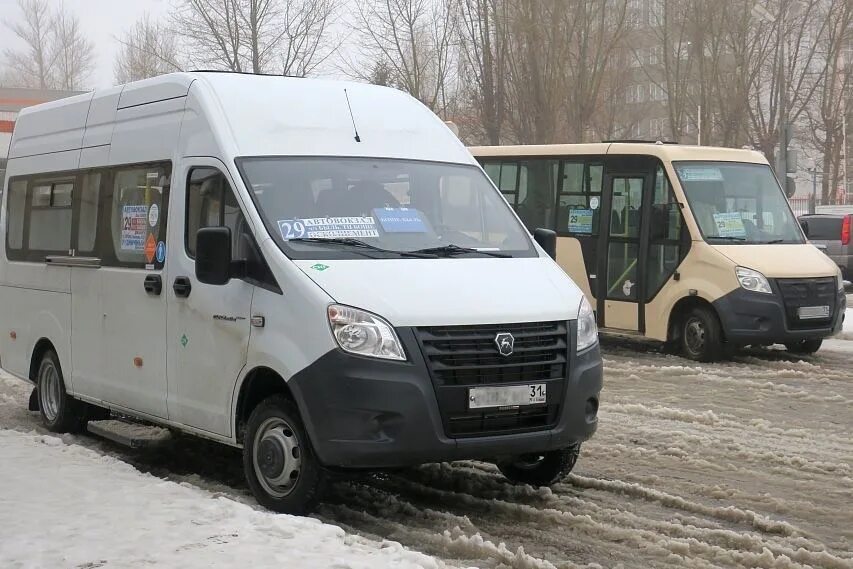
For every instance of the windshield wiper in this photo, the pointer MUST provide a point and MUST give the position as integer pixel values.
(349, 241)
(450, 250)
(728, 238)
(772, 241)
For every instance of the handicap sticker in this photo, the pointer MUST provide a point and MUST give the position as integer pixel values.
(400, 220)
(580, 221)
(161, 252)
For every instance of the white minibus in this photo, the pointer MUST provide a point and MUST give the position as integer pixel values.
(315, 271)
(693, 246)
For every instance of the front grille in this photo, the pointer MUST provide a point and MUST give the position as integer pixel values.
(797, 293)
(468, 355)
(460, 357)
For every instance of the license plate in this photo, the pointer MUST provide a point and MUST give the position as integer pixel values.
(808, 312)
(510, 396)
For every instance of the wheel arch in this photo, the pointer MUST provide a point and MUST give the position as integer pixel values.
(258, 384)
(42, 346)
(683, 306)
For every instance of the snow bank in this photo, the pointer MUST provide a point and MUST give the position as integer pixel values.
(67, 506)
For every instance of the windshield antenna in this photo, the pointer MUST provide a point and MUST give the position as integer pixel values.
(352, 117)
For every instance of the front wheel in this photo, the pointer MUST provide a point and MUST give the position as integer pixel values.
(542, 469)
(278, 461)
(702, 335)
(804, 347)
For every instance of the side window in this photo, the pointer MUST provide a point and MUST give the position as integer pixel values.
(211, 203)
(138, 215)
(537, 193)
(50, 216)
(579, 208)
(669, 239)
(15, 211)
(87, 231)
(509, 182)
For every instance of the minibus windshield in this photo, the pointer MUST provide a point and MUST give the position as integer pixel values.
(319, 208)
(738, 203)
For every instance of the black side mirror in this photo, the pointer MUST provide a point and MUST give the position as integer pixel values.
(547, 239)
(805, 225)
(213, 255)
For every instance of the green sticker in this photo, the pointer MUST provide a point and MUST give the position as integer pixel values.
(184, 340)
(320, 267)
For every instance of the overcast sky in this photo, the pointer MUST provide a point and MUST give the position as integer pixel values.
(102, 20)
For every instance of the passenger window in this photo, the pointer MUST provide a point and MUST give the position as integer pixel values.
(669, 237)
(50, 216)
(537, 193)
(509, 182)
(15, 210)
(138, 220)
(89, 199)
(211, 203)
(579, 207)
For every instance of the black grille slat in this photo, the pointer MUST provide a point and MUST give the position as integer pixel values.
(460, 357)
(797, 293)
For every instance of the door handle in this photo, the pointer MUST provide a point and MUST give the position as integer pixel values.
(182, 287)
(153, 285)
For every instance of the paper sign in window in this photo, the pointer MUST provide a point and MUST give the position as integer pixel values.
(134, 227)
(580, 220)
(328, 228)
(700, 174)
(729, 224)
(400, 220)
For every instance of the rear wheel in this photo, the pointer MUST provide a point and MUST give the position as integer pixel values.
(702, 335)
(60, 412)
(541, 469)
(278, 461)
(804, 347)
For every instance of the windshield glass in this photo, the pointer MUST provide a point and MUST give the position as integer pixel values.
(737, 203)
(393, 205)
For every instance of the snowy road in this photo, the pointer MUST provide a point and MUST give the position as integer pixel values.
(742, 464)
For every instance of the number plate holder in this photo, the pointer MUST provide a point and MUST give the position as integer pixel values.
(507, 396)
(813, 312)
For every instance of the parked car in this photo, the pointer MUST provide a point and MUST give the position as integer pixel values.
(832, 230)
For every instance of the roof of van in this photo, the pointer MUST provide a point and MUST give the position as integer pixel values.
(255, 115)
(671, 152)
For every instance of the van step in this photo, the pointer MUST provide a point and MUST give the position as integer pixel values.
(133, 435)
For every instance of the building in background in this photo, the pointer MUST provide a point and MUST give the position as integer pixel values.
(11, 103)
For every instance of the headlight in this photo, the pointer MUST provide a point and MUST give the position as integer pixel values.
(840, 281)
(365, 334)
(587, 330)
(753, 280)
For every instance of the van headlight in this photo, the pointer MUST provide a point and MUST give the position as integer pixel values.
(587, 329)
(752, 280)
(840, 281)
(360, 332)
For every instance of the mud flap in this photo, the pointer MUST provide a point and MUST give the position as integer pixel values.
(34, 400)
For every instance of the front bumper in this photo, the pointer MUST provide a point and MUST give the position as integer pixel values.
(368, 413)
(757, 318)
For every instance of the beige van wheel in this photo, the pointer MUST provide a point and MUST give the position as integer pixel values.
(701, 335)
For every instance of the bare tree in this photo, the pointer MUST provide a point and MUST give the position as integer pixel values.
(56, 54)
(148, 49)
(414, 39)
(288, 37)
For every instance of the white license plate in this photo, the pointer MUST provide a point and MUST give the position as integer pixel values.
(807, 312)
(510, 396)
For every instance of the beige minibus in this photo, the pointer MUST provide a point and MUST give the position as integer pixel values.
(693, 246)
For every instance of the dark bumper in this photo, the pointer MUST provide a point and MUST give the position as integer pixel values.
(757, 318)
(366, 413)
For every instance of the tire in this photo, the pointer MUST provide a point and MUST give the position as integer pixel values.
(804, 347)
(701, 335)
(279, 464)
(541, 470)
(59, 412)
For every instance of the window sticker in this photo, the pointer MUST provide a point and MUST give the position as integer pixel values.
(153, 215)
(328, 227)
(161, 252)
(594, 202)
(729, 224)
(700, 174)
(134, 227)
(150, 248)
(400, 220)
(580, 221)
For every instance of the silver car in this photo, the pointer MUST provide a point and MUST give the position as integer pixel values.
(832, 231)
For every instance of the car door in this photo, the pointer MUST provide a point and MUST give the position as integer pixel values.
(208, 325)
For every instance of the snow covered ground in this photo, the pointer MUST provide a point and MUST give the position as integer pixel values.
(748, 463)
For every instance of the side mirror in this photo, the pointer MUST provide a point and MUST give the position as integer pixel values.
(547, 239)
(805, 225)
(213, 255)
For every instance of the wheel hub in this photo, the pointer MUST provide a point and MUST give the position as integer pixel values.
(695, 333)
(277, 457)
(49, 391)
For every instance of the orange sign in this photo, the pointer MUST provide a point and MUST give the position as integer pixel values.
(150, 247)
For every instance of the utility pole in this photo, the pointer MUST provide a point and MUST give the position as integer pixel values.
(782, 159)
(844, 154)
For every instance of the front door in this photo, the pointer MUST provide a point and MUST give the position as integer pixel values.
(623, 236)
(208, 325)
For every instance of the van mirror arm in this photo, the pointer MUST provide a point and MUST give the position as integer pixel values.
(239, 269)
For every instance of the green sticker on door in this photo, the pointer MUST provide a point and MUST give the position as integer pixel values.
(184, 340)
(320, 267)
